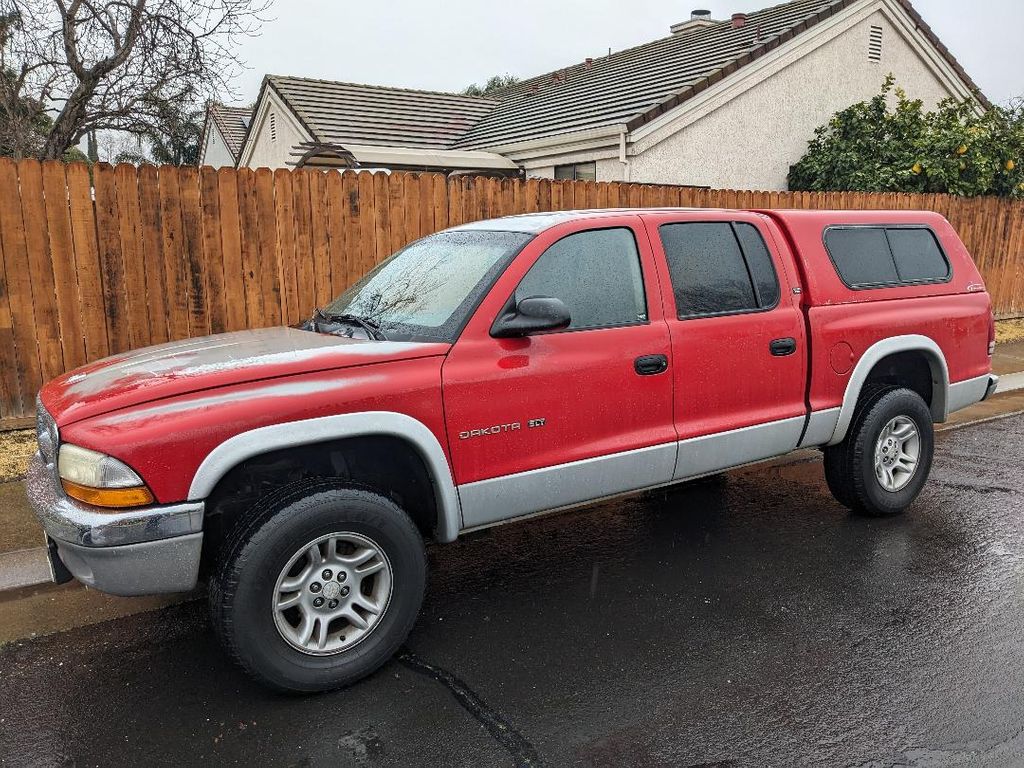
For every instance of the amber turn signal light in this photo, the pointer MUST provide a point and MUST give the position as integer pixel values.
(118, 498)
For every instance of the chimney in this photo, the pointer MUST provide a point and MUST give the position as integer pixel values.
(698, 18)
(739, 20)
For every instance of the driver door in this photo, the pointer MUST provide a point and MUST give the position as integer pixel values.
(561, 417)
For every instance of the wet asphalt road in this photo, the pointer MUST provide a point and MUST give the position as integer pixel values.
(743, 621)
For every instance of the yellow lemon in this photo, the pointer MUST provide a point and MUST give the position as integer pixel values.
(962, 149)
(917, 168)
(1010, 165)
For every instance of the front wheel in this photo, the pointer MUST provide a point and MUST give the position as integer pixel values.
(882, 465)
(320, 588)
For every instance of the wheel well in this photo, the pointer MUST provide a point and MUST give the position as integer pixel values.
(911, 369)
(385, 464)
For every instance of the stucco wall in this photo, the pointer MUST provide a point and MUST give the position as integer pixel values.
(215, 151)
(268, 153)
(750, 142)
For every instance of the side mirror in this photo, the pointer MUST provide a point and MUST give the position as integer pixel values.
(532, 315)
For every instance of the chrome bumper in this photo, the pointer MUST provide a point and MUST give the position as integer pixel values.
(141, 551)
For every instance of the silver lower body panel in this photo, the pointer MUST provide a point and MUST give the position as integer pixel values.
(147, 568)
(963, 394)
(565, 485)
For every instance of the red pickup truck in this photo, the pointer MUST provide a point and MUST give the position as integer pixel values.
(490, 372)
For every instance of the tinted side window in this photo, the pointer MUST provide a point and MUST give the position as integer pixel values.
(709, 275)
(762, 271)
(861, 255)
(917, 255)
(596, 273)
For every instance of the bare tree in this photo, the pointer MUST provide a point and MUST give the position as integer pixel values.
(110, 64)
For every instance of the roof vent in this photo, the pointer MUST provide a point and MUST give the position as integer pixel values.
(739, 20)
(698, 18)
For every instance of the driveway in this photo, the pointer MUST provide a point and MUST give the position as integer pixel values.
(743, 621)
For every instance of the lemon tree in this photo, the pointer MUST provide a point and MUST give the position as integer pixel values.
(890, 143)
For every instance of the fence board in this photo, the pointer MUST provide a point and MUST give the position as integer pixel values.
(231, 250)
(305, 263)
(319, 207)
(65, 281)
(341, 239)
(37, 246)
(175, 278)
(212, 249)
(152, 233)
(284, 211)
(15, 303)
(108, 231)
(96, 261)
(86, 250)
(134, 255)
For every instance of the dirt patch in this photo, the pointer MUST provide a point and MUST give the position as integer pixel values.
(1009, 331)
(16, 448)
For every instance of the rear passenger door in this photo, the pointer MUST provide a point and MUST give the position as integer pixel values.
(738, 339)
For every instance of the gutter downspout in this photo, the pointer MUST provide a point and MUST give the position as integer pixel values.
(622, 155)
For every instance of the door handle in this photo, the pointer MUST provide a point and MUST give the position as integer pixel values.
(650, 365)
(783, 347)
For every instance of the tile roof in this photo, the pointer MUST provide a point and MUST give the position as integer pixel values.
(232, 122)
(634, 86)
(349, 113)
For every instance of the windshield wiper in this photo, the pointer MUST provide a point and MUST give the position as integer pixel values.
(371, 328)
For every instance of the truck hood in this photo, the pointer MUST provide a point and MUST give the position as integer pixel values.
(182, 367)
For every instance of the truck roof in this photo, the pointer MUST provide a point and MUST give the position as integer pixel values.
(538, 222)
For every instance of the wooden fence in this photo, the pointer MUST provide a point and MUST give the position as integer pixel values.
(96, 262)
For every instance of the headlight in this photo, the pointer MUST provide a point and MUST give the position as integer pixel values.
(98, 479)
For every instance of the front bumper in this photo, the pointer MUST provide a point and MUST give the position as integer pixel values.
(141, 551)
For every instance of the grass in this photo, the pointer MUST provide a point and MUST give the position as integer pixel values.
(1009, 331)
(16, 448)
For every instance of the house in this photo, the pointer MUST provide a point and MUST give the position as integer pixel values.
(223, 132)
(715, 103)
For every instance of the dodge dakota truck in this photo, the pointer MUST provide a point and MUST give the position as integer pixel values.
(490, 372)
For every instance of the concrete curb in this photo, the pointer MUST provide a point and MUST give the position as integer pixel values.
(23, 568)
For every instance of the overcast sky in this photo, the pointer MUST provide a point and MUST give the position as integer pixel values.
(447, 45)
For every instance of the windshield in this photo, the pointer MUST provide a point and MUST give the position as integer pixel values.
(427, 290)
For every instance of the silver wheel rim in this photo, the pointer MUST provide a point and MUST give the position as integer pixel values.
(897, 453)
(332, 593)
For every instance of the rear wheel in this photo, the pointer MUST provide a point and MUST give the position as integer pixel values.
(884, 462)
(319, 588)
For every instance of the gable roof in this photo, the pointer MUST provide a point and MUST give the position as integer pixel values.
(634, 86)
(232, 122)
(349, 113)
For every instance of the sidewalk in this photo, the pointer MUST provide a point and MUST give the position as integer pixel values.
(31, 605)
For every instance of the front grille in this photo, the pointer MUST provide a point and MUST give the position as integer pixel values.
(46, 434)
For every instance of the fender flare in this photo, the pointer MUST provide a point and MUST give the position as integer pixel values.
(882, 349)
(245, 445)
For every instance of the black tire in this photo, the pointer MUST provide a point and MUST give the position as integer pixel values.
(243, 585)
(850, 465)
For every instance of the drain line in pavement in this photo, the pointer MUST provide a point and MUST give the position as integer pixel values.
(523, 752)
